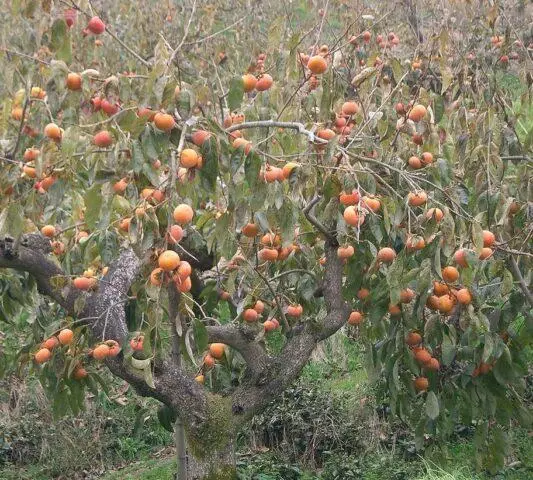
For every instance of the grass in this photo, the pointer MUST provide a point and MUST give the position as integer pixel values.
(162, 469)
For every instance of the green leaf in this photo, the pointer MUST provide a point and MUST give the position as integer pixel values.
(60, 41)
(438, 106)
(209, 171)
(12, 220)
(200, 335)
(93, 203)
(167, 417)
(432, 406)
(108, 246)
(252, 166)
(235, 94)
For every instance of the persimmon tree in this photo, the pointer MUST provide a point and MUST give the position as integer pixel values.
(198, 225)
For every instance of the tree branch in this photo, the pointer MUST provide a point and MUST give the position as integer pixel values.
(314, 221)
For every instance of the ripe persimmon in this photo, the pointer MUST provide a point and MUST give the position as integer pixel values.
(413, 338)
(417, 113)
(317, 64)
(353, 217)
(446, 303)
(164, 121)
(43, 355)
(168, 260)
(421, 384)
(422, 356)
(188, 158)
(48, 231)
(386, 255)
(183, 214)
(486, 252)
(345, 252)
(259, 307)
(250, 230)
(414, 162)
(348, 199)
(50, 343)
(355, 318)
(156, 277)
(101, 352)
(394, 309)
(199, 137)
(249, 82)
(65, 336)
(371, 203)
(184, 269)
(450, 274)
(426, 158)
(120, 186)
(216, 350)
(268, 254)
(464, 296)
(96, 25)
(436, 213)
(295, 311)
(250, 315)
(52, 131)
(349, 108)
(103, 139)
(416, 199)
(209, 361)
(74, 81)
(83, 283)
(79, 373)
(269, 325)
(488, 238)
(264, 82)
(406, 295)
(363, 294)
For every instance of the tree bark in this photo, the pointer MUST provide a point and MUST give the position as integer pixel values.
(217, 464)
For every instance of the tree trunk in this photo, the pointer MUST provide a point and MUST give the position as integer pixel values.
(181, 450)
(214, 464)
(211, 444)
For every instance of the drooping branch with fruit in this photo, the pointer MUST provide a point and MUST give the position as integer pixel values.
(199, 231)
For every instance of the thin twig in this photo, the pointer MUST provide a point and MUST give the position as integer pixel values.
(185, 33)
